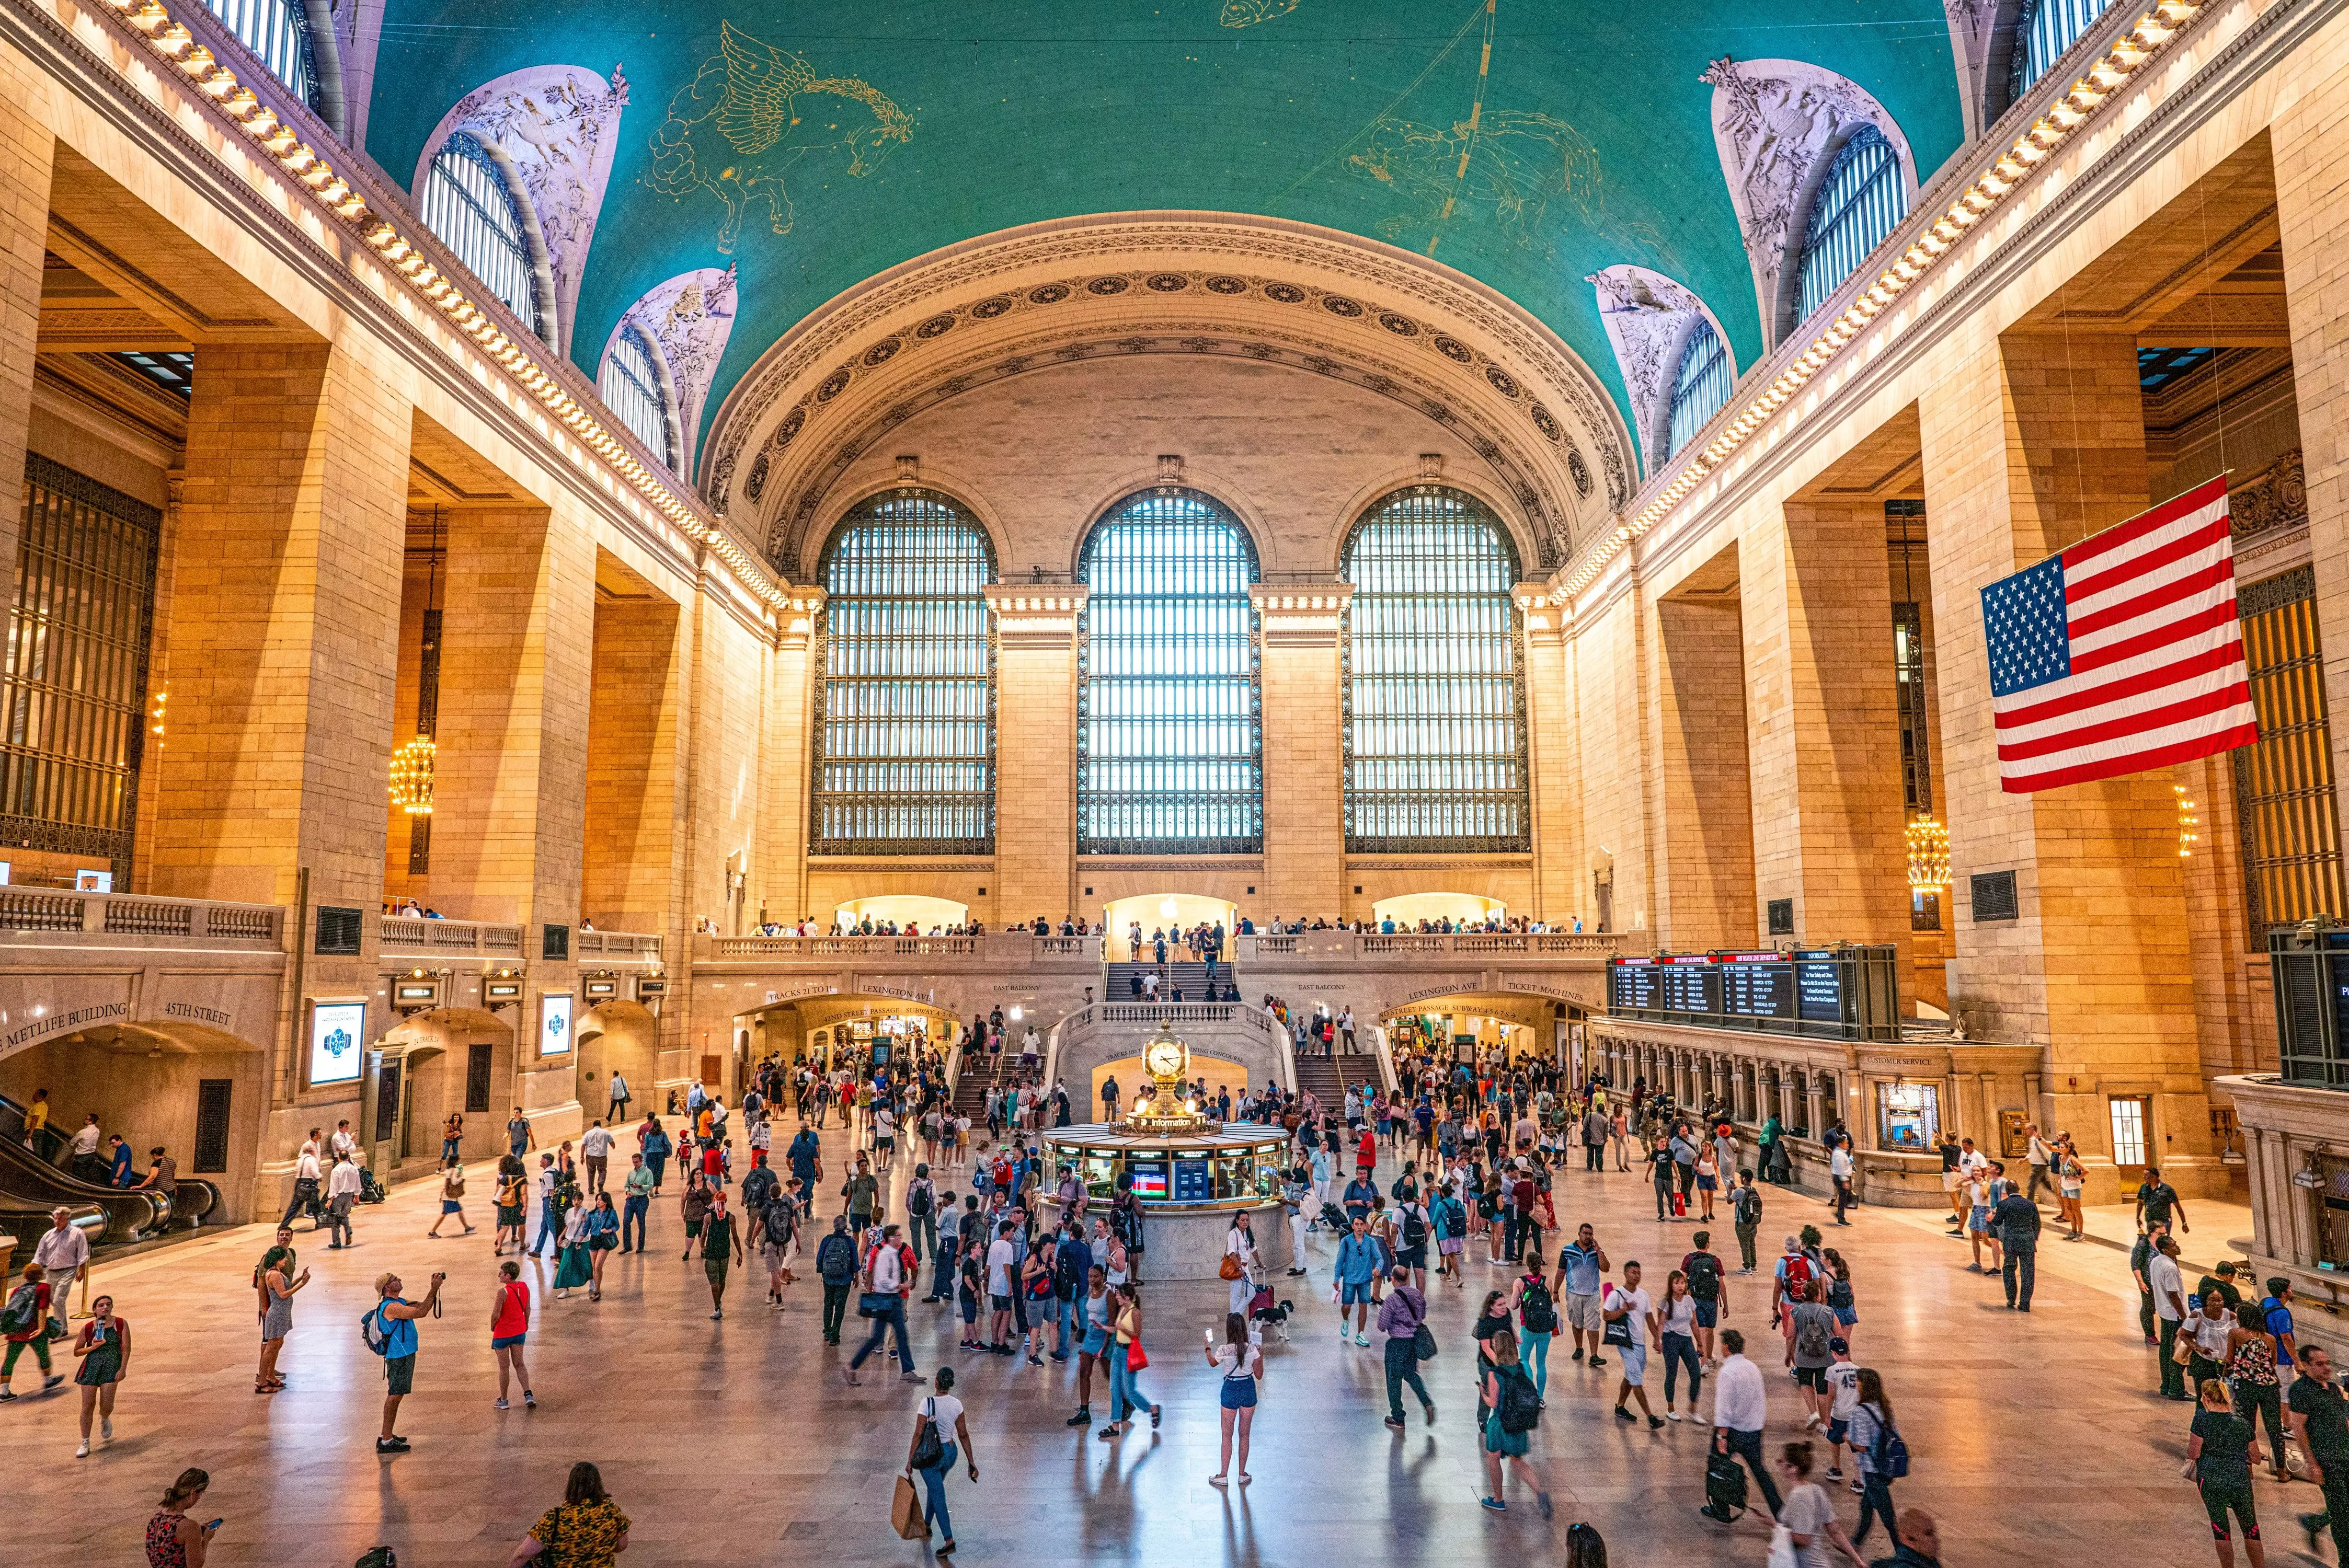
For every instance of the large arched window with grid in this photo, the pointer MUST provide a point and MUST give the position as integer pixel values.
(1169, 737)
(1699, 386)
(1434, 680)
(905, 733)
(467, 204)
(633, 386)
(2043, 29)
(1861, 200)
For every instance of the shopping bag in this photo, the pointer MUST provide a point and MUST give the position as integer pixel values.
(905, 1512)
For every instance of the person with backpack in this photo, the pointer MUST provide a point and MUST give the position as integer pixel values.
(1708, 1289)
(1745, 1216)
(1412, 1228)
(835, 1263)
(1878, 1455)
(1811, 1345)
(778, 1225)
(1516, 1411)
(1791, 1274)
(922, 1213)
(25, 1322)
(390, 1331)
(1072, 1263)
(1536, 1309)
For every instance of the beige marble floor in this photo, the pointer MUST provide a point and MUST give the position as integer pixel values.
(2035, 1438)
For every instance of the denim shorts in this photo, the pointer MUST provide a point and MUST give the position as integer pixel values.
(1352, 1292)
(1706, 1315)
(1239, 1394)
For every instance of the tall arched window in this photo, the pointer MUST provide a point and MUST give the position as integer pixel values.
(467, 204)
(1170, 736)
(1701, 386)
(633, 387)
(1861, 202)
(1434, 681)
(2042, 31)
(904, 734)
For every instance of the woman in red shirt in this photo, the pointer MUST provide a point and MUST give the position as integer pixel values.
(509, 1326)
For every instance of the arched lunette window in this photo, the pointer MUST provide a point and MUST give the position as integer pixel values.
(1699, 386)
(278, 31)
(467, 204)
(1434, 680)
(633, 386)
(1861, 200)
(2043, 29)
(904, 732)
(1170, 736)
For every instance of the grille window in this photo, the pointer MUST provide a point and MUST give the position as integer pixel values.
(1169, 737)
(631, 385)
(276, 30)
(1701, 387)
(905, 736)
(73, 693)
(2044, 31)
(1861, 202)
(466, 203)
(2283, 782)
(1434, 683)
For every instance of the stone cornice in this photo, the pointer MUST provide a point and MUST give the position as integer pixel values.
(2123, 113)
(158, 75)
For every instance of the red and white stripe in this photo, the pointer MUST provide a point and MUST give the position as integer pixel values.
(2158, 672)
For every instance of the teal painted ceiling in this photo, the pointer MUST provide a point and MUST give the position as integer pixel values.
(881, 131)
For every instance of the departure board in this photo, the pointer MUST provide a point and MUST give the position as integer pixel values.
(1846, 992)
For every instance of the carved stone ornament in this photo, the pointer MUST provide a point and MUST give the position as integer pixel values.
(1772, 121)
(559, 125)
(1648, 317)
(688, 319)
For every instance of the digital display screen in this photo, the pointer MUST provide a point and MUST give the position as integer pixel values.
(337, 1034)
(1633, 986)
(1192, 1182)
(1690, 988)
(1149, 1178)
(1818, 986)
(1754, 985)
(554, 1024)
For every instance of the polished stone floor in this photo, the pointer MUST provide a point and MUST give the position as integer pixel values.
(2034, 1439)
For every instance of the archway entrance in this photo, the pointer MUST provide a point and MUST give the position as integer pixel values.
(912, 913)
(1407, 910)
(450, 1061)
(618, 1039)
(1166, 911)
(1473, 1026)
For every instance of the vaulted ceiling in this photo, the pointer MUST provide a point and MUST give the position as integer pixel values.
(1527, 143)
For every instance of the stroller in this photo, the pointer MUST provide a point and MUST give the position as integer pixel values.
(1334, 1220)
(370, 1190)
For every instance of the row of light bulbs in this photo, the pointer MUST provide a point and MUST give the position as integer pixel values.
(1975, 202)
(171, 38)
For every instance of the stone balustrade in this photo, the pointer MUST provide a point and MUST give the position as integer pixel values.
(61, 917)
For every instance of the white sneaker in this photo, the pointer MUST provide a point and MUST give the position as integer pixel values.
(1344, 1334)
(105, 1427)
(1672, 1415)
(82, 1453)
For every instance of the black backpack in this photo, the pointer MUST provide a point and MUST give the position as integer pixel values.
(1540, 1309)
(917, 1201)
(1415, 1229)
(1520, 1404)
(1704, 1277)
(835, 1259)
(1746, 1203)
(779, 1222)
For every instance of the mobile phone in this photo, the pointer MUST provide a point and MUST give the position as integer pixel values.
(215, 1524)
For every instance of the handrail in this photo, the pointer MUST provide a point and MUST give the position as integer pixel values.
(1085, 1020)
(1355, 944)
(616, 944)
(69, 910)
(1385, 1053)
(999, 946)
(431, 935)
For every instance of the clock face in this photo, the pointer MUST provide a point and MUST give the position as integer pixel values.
(1165, 1058)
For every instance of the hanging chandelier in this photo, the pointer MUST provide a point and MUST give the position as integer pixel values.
(1928, 854)
(2188, 822)
(411, 777)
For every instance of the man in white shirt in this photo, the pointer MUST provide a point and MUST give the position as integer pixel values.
(1840, 1172)
(1740, 1411)
(620, 1097)
(62, 1252)
(595, 1148)
(342, 1145)
(1629, 1304)
(342, 1192)
(306, 1176)
(2170, 1307)
(83, 1159)
(1000, 1254)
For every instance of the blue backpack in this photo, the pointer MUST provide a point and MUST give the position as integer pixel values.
(1888, 1455)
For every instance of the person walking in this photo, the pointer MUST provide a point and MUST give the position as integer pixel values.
(1630, 1326)
(1676, 1323)
(721, 1240)
(393, 1335)
(635, 1204)
(1582, 1268)
(1241, 1362)
(2319, 1419)
(1536, 1310)
(1745, 1217)
(1127, 1359)
(931, 1454)
(1808, 1516)
(278, 1292)
(1873, 1436)
(2016, 1220)
(452, 1197)
(835, 1264)
(1514, 1411)
(1740, 1412)
(26, 1321)
(509, 1330)
(62, 1252)
(1357, 1266)
(587, 1530)
(1405, 1310)
(693, 1208)
(1093, 1342)
(2220, 1452)
(174, 1539)
(889, 1280)
(103, 1348)
(602, 1228)
(571, 1267)
(509, 1198)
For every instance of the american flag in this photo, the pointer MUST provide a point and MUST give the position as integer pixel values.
(2123, 653)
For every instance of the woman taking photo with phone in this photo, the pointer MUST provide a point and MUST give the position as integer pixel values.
(1242, 1364)
(276, 1315)
(173, 1538)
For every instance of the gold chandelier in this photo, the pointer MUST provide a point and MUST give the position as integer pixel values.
(411, 777)
(1928, 854)
(2186, 822)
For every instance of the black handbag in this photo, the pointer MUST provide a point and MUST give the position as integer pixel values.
(875, 1303)
(1423, 1343)
(930, 1448)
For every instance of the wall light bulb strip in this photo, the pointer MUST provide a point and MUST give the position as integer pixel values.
(1989, 189)
(171, 39)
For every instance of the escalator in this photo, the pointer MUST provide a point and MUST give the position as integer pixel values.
(33, 1185)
